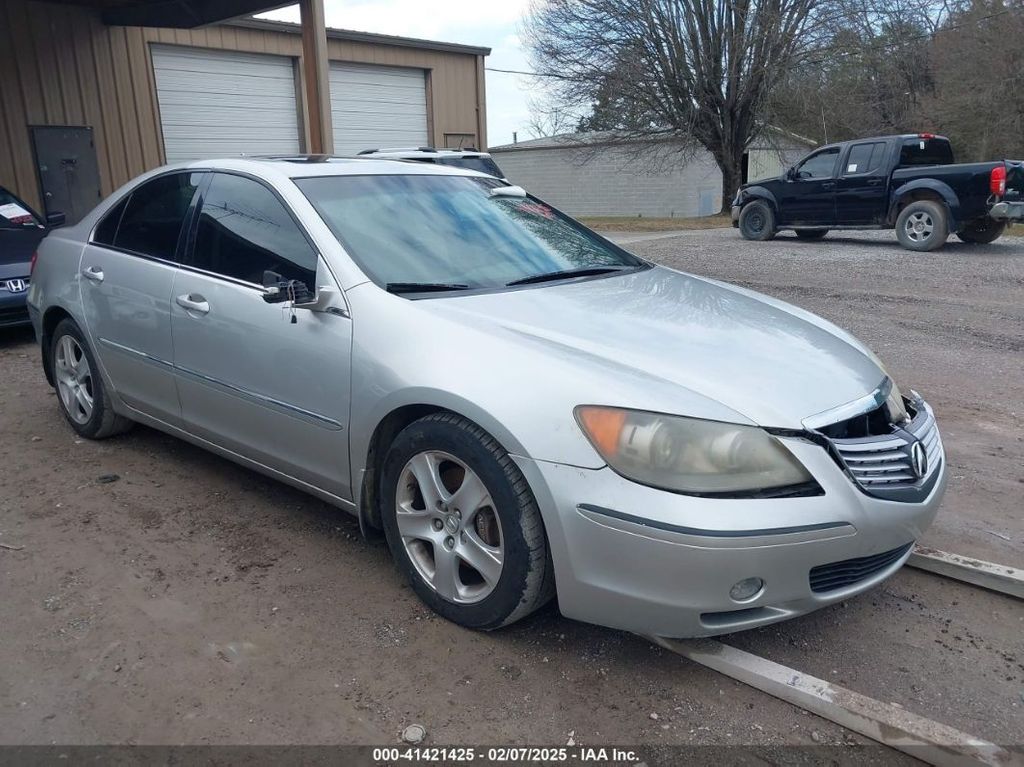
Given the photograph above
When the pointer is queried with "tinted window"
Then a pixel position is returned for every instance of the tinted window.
(245, 230)
(106, 231)
(450, 230)
(820, 165)
(864, 158)
(482, 164)
(154, 215)
(921, 151)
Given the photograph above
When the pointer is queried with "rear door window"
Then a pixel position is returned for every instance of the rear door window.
(864, 158)
(245, 230)
(152, 219)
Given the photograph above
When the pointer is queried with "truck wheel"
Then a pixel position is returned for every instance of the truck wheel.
(982, 231)
(462, 524)
(811, 234)
(922, 226)
(757, 221)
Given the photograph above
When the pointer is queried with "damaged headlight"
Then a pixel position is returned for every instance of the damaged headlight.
(689, 455)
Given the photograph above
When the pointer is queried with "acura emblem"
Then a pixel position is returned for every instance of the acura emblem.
(16, 286)
(918, 460)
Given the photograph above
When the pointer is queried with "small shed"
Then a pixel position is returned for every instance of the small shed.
(607, 174)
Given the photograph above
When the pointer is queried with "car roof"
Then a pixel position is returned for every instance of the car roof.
(293, 166)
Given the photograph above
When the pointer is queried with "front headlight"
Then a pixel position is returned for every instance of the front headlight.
(689, 455)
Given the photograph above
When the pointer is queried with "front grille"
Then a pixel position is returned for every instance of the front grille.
(884, 462)
(839, 575)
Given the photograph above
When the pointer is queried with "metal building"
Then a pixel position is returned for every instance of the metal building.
(95, 92)
(601, 174)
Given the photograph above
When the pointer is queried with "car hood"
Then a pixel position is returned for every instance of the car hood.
(766, 360)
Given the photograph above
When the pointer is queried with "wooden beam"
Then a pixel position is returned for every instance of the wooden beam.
(316, 76)
(891, 725)
(988, 575)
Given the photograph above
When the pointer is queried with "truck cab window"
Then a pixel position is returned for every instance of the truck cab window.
(820, 165)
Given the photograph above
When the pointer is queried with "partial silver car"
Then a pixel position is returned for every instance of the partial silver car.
(522, 407)
(469, 159)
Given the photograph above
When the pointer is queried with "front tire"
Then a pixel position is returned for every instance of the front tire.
(81, 394)
(811, 234)
(922, 226)
(757, 221)
(462, 524)
(982, 231)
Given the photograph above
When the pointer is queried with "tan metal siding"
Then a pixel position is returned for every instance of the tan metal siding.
(59, 65)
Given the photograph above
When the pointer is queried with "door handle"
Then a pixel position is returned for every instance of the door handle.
(93, 273)
(829, 185)
(193, 303)
(874, 182)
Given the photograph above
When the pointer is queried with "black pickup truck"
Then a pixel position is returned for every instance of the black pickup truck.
(909, 183)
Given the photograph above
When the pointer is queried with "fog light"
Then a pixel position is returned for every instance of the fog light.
(746, 589)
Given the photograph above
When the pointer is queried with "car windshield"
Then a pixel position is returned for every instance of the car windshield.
(450, 232)
(14, 214)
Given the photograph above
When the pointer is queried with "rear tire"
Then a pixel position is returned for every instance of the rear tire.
(811, 234)
(757, 221)
(81, 394)
(922, 226)
(463, 525)
(982, 231)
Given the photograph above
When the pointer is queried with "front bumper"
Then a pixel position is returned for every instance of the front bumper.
(1007, 211)
(657, 563)
(735, 213)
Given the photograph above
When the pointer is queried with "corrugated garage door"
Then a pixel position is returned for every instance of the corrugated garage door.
(374, 107)
(222, 103)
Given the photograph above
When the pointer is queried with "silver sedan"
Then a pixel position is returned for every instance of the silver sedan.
(523, 408)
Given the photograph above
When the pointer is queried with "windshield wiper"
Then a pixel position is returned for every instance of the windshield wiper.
(565, 274)
(423, 287)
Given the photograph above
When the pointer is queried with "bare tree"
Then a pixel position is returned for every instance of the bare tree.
(548, 120)
(699, 69)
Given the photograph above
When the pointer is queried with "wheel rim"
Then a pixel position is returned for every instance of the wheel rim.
(919, 226)
(74, 379)
(449, 527)
(755, 222)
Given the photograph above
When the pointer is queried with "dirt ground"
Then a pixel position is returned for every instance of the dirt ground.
(190, 601)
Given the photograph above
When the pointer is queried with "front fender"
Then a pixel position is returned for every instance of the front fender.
(751, 193)
(943, 190)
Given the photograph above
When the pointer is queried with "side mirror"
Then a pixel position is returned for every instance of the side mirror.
(790, 173)
(53, 220)
(287, 290)
(324, 300)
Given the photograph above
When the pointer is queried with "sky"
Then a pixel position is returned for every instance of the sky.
(494, 24)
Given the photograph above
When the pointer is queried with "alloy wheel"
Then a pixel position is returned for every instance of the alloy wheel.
(449, 527)
(919, 226)
(74, 379)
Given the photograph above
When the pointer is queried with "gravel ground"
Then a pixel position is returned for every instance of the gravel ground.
(192, 601)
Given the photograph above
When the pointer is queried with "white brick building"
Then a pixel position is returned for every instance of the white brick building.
(592, 174)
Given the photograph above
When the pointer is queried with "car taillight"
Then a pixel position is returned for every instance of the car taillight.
(926, 135)
(997, 181)
(32, 266)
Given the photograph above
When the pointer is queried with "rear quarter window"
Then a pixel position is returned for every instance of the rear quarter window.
(924, 151)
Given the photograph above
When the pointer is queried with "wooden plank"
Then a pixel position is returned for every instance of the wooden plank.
(988, 575)
(890, 725)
